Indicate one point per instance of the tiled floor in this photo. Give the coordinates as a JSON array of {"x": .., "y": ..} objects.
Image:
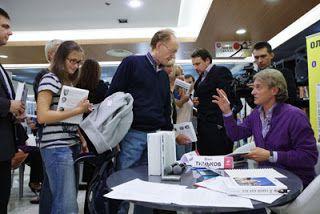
[{"x": 23, "y": 205}]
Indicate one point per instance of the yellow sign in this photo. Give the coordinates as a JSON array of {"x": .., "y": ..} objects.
[{"x": 313, "y": 51}]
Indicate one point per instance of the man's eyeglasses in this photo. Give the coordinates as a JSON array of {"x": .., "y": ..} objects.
[
  {"x": 75, "y": 61},
  {"x": 172, "y": 51}
]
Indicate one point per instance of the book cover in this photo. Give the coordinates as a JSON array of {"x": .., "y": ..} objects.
[
  {"x": 186, "y": 129},
  {"x": 161, "y": 151},
  {"x": 21, "y": 92},
  {"x": 180, "y": 86},
  {"x": 206, "y": 174},
  {"x": 69, "y": 99},
  {"x": 254, "y": 185},
  {"x": 242, "y": 150},
  {"x": 154, "y": 155},
  {"x": 167, "y": 153}
]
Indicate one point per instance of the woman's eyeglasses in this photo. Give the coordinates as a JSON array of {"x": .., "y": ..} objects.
[{"x": 75, "y": 61}]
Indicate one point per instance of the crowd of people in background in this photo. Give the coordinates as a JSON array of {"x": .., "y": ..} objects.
[{"x": 284, "y": 141}]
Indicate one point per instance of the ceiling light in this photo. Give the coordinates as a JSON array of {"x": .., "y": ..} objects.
[
  {"x": 241, "y": 31},
  {"x": 119, "y": 52},
  {"x": 4, "y": 56},
  {"x": 305, "y": 21},
  {"x": 135, "y": 3},
  {"x": 272, "y": 1}
]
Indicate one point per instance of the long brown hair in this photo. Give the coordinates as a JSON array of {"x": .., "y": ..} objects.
[
  {"x": 59, "y": 66},
  {"x": 90, "y": 74}
]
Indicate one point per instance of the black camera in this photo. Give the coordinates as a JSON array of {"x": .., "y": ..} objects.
[{"x": 242, "y": 80}]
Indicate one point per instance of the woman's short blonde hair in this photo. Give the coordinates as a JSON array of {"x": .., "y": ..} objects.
[
  {"x": 274, "y": 78},
  {"x": 177, "y": 71}
]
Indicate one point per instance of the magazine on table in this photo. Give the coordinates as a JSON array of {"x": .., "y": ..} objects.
[
  {"x": 69, "y": 99},
  {"x": 244, "y": 185},
  {"x": 254, "y": 185}
]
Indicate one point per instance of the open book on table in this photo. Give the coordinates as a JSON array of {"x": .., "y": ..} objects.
[{"x": 69, "y": 99}]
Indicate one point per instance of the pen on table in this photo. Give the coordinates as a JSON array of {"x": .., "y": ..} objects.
[{"x": 283, "y": 191}]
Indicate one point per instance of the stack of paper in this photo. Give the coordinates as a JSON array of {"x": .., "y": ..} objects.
[{"x": 138, "y": 190}]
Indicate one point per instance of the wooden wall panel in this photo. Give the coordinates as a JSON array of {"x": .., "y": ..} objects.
[{"x": 261, "y": 18}]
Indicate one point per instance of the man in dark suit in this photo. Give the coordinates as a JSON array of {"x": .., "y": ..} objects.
[
  {"x": 9, "y": 110},
  {"x": 263, "y": 56},
  {"x": 212, "y": 138}
]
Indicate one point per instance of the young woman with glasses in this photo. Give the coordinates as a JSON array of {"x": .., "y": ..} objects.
[{"x": 59, "y": 142}]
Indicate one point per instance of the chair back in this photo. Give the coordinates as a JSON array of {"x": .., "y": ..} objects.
[{"x": 308, "y": 201}]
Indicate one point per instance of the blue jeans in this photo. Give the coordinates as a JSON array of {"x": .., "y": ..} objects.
[
  {"x": 45, "y": 194},
  {"x": 133, "y": 152},
  {"x": 182, "y": 149},
  {"x": 61, "y": 176}
]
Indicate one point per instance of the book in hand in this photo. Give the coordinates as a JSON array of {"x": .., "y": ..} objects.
[
  {"x": 242, "y": 150},
  {"x": 254, "y": 185},
  {"x": 180, "y": 85},
  {"x": 21, "y": 92},
  {"x": 69, "y": 99},
  {"x": 186, "y": 129}
]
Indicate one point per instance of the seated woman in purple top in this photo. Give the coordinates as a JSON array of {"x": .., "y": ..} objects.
[{"x": 282, "y": 132}]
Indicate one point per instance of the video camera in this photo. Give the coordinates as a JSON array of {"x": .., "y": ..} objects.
[{"x": 241, "y": 81}]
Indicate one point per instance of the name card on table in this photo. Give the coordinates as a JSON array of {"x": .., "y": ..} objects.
[{"x": 212, "y": 162}]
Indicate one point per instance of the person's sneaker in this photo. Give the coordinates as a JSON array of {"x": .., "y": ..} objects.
[
  {"x": 35, "y": 200},
  {"x": 35, "y": 187}
]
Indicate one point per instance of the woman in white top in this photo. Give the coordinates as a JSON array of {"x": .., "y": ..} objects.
[{"x": 184, "y": 105}]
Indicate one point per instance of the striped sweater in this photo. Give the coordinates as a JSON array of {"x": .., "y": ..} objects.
[{"x": 56, "y": 134}]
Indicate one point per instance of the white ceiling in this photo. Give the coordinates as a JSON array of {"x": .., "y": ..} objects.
[
  {"x": 89, "y": 20},
  {"x": 39, "y": 15},
  {"x": 36, "y": 21}
]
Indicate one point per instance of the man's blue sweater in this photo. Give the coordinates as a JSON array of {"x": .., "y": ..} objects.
[{"x": 150, "y": 90}]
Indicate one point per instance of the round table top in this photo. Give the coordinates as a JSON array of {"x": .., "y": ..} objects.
[{"x": 292, "y": 181}]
